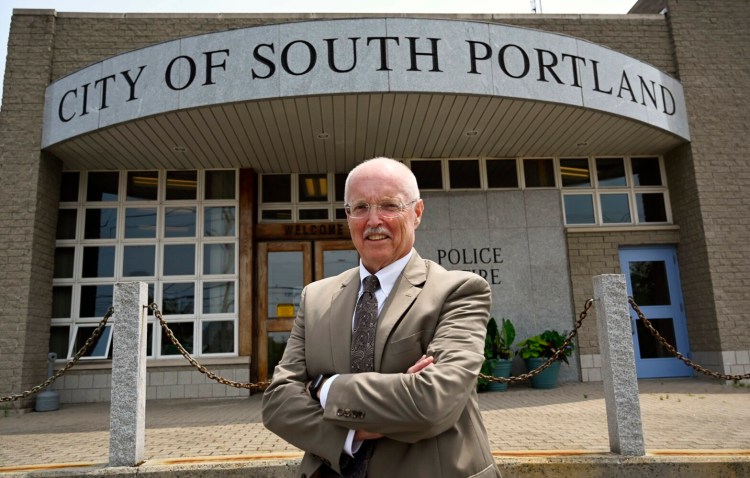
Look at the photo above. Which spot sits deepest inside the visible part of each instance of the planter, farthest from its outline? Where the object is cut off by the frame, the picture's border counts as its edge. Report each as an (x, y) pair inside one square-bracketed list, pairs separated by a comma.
[(502, 369), (546, 379)]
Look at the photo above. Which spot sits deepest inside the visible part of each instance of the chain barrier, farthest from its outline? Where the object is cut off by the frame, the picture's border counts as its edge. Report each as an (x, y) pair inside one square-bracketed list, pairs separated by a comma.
[(669, 348), (555, 356), (72, 362), (258, 386)]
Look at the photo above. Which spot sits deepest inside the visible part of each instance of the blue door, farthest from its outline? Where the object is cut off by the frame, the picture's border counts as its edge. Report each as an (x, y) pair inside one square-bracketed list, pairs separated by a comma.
[(654, 283)]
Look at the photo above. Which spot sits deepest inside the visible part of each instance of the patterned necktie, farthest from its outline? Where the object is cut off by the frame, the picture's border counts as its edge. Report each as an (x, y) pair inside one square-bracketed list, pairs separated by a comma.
[(365, 323), (363, 360)]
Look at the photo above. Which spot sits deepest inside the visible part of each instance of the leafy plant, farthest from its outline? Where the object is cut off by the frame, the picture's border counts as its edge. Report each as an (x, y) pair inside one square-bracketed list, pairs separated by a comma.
[(545, 345), (498, 342)]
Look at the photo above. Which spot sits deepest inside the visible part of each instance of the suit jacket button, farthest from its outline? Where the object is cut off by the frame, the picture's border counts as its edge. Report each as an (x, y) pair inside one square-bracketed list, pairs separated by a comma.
[(339, 412), (304, 475)]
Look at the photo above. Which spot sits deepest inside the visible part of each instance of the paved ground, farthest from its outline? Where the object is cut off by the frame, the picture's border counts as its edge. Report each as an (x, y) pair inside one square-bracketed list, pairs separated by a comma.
[(690, 416)]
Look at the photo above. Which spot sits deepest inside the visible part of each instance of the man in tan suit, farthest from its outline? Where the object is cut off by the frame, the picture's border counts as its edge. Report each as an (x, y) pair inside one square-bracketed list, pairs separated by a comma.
[(415, 414)]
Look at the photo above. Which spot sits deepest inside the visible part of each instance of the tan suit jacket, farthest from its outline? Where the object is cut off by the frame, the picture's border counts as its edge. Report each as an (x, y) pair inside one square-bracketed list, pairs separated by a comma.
[(430, 421)]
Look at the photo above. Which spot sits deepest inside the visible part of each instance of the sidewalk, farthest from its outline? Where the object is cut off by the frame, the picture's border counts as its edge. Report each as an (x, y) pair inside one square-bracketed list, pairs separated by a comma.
[(682, 417)]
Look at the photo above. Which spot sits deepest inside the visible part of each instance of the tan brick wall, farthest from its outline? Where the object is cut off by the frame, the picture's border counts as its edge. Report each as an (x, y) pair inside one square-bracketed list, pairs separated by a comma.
[(29, 185), (712, 203)]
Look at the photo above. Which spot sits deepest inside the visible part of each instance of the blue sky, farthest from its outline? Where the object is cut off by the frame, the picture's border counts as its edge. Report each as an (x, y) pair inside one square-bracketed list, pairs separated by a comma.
[(321, 6)]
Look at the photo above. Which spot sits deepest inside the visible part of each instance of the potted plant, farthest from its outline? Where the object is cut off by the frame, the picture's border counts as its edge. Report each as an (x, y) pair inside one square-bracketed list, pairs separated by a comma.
[(538, 349), (498, 357)]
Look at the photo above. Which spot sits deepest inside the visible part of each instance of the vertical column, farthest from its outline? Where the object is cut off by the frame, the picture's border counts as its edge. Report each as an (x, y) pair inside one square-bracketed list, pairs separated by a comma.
[(618, 365), (127, 416)]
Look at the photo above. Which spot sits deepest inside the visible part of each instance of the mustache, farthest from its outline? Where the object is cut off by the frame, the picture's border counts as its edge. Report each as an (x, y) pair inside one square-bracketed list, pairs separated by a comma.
[(374, 231)]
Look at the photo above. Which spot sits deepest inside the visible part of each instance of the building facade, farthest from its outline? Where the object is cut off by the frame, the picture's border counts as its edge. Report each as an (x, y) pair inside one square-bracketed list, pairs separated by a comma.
[(205, 155)]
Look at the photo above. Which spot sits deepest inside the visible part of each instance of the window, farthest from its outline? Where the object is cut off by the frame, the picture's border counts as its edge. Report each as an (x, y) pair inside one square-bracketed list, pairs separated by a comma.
[(174, 230), (302, 197), (623, 191), (539, 173), (464, 174)]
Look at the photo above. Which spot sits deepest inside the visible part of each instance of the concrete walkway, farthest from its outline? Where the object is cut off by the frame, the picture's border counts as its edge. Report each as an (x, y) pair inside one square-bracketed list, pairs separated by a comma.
[(686, 417)]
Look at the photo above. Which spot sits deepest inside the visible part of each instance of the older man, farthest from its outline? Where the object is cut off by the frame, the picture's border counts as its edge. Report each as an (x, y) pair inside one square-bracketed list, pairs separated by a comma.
[(378, 377)]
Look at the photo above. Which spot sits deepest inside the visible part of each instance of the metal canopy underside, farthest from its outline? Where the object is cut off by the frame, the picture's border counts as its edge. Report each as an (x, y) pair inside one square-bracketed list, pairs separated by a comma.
[(333, 133)]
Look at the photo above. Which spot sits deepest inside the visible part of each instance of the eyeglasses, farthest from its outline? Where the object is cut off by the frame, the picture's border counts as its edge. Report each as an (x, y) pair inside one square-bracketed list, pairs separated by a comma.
[(387, 208)]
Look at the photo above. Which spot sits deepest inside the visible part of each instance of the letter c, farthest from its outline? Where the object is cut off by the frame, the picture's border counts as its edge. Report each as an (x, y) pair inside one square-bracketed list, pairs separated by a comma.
[(60, 108)]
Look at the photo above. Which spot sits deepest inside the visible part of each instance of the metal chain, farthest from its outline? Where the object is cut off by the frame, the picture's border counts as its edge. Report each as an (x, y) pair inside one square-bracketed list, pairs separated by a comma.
[(555, 356), (667, 346), (259, 386), (73, 361)]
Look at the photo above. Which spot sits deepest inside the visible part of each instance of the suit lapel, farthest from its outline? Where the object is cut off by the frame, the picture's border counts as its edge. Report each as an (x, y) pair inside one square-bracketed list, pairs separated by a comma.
[(404, 293), (342, 311)]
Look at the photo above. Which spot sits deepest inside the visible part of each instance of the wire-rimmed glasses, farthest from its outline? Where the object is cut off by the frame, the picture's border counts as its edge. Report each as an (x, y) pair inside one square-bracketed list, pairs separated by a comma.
[(387, 208)]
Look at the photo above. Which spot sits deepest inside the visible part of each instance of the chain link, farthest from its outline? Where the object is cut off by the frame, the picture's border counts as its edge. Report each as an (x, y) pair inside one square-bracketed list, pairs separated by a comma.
[(259, 386), (555, 356), (73, 361), (669, 348)]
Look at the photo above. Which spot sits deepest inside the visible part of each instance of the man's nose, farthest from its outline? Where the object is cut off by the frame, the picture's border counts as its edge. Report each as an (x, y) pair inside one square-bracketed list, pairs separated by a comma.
[(373, 215)]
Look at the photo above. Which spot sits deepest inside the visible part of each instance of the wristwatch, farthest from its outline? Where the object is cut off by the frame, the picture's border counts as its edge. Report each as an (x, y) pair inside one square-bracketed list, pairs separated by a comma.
[(316, 385)]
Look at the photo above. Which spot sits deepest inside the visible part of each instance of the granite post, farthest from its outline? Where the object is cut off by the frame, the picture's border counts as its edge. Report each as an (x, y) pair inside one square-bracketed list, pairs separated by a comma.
[(127, 416), (618, 365)]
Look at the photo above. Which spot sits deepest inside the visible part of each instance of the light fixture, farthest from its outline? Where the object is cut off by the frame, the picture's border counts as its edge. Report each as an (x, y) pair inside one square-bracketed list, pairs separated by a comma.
[(472, 132), (323, 135), (179, 149)]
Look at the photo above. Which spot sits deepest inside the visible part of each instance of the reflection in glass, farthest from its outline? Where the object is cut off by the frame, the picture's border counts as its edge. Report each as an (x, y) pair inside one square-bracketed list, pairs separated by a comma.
[(285, 280), (182, 185), (276, 345), (218, 337), (579, 209), (69, 186), (502, 173), (218, 258), (102, 186), (140, 222), (179, 259), (276, 215), (62, 300), (219, 221), (429, 174), (143, 185), (464, 174), (179, 222), (178, 298), (648, 345), (149, 340), (336, 262), (100, 348), (100, 224), (313, 187), (64, 260), (615, 208), (59, 339), (610, 172), (539, 173), (649, 282), (575, 173), (183, 332), (651, 207), (646, 171), (218, 297), (220, 185), (98, 261), (138, 261), (66, 223), (95, 300), (313, 214), (340, 186), (276, 188)]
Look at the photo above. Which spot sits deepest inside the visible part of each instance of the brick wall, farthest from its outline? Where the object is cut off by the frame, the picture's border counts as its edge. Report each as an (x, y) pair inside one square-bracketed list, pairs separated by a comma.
[(712, 204), (29, 184)]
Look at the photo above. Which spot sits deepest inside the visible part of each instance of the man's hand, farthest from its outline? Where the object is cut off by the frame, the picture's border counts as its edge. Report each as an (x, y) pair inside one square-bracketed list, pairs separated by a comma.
[(419, 365)]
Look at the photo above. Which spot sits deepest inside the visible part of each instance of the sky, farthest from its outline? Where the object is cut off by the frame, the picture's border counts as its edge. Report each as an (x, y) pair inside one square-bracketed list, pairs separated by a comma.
[(303, 6)]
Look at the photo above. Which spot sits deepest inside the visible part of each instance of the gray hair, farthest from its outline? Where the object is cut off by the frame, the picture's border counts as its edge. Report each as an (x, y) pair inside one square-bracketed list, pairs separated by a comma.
[(411, 189)]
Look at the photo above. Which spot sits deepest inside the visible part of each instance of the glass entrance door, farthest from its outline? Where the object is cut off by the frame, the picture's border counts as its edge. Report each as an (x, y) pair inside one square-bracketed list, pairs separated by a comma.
[(654, 283), (284, 269)]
